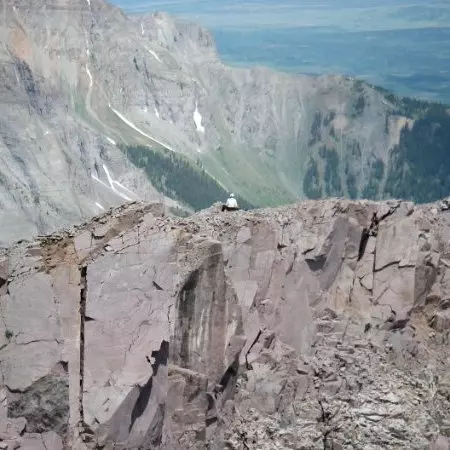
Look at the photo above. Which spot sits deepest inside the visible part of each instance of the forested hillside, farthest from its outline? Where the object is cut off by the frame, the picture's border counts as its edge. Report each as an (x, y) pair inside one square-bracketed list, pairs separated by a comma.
[(419, 167), (179, 178)]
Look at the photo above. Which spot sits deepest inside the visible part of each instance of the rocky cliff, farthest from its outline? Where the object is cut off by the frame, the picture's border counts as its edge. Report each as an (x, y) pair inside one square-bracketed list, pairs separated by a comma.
[(272, 329), (85, 89)]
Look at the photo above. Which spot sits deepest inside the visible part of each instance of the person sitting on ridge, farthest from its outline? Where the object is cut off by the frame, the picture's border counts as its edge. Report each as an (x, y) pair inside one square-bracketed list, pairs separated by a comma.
[(231, 204)]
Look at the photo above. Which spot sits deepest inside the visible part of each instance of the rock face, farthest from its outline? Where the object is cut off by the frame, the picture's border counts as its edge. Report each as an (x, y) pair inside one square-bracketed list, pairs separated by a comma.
[(249, 330), (78, 79)]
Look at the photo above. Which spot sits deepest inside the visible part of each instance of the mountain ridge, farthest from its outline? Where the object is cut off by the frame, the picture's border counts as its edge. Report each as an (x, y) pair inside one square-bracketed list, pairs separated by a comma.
[(93, 81)]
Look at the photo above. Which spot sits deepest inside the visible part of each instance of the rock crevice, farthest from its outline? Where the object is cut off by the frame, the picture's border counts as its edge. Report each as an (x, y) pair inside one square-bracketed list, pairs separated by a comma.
[(83, 299)]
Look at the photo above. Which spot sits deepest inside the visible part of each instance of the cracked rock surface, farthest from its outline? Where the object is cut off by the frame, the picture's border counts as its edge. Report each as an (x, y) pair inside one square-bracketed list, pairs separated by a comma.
[(268, 329)]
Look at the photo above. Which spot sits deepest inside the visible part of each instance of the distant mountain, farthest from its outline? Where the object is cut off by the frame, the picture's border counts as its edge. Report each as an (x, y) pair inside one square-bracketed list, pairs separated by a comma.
[(85, 90), (393, 43)]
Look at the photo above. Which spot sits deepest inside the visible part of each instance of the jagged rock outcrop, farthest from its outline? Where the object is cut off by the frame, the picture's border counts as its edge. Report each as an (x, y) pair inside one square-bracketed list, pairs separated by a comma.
[(247, 330)]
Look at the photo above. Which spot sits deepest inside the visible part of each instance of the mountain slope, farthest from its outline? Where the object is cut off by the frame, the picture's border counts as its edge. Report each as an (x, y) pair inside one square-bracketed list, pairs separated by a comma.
[(80, 81)]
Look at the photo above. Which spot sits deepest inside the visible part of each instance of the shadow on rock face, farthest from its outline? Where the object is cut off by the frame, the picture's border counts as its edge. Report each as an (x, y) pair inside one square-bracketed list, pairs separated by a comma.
[(141, 402), (161, 357), (186, 316), (138, 421), (363, 243), (316, 264)]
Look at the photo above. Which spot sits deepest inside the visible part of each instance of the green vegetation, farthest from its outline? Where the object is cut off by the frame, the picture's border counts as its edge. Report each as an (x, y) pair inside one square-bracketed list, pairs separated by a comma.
[(179, 178), (359, 106), (353, 156), (311, 182), (418, 168), (332, 180), (351, 186), (315, 129), (329, 118), (372, 188), (405, 106), (419, 165), (358, 86), (354, 150), (358, 89), (251, 173)]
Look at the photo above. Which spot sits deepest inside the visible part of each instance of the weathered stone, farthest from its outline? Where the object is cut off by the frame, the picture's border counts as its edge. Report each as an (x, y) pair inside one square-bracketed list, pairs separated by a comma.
[(441, 443), (3, 410), (3, 275), (36, 361), (201, 331), (10, 444), (440, 321), (100, 232), (83, 243), (45, 405), (397, 243), (13, 428), (52, 441), (32, 441)]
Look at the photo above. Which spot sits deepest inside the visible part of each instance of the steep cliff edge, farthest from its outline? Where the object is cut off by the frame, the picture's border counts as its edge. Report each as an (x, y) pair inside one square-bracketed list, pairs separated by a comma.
[(270, 329)]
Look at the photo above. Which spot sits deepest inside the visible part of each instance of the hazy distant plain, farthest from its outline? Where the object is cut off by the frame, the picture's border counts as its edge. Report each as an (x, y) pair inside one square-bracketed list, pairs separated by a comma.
[(399, 44)]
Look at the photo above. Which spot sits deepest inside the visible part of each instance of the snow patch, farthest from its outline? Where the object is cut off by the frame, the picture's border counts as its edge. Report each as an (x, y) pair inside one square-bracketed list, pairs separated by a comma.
[(108, 176), (146, 110), (47, 132), (91, 80), (97, 179), (142, 29), (154, 55), (112, 184), (89, 3), (157, 112), (122, 187), (132, 125), (87, 52), (198, 120), (112, 141), (99, 206)]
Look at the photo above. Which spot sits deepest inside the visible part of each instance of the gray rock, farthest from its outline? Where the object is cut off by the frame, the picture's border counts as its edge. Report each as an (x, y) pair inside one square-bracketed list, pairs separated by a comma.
[(441, 443), (79, 79), (206, 331), (44, 405)]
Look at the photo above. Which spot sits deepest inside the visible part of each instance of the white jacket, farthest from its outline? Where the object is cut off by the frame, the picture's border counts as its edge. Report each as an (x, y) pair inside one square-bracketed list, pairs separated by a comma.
[(232, 203)]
